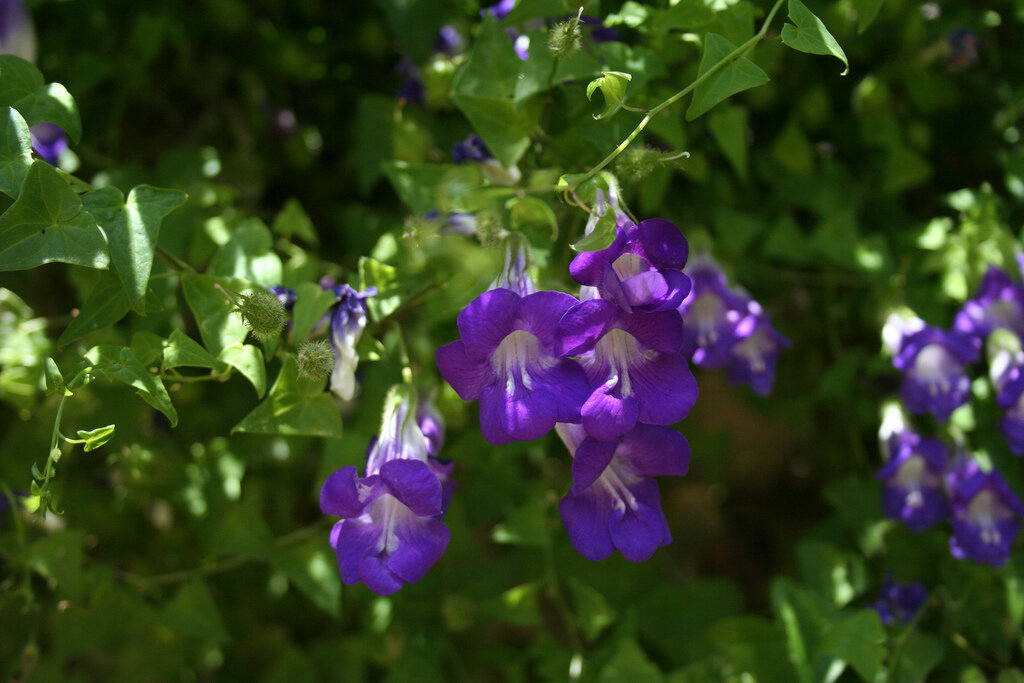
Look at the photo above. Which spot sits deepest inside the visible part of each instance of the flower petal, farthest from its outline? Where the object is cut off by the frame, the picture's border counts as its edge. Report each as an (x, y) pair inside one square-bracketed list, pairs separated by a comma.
[(589, 462), (643, 528), (588, 268), (656, 451), (606, 415), (661, 331), (586, 521), (487, 320), (582, 325), (345, 495), (665, 388), (414, 485), (521, 416), (663, 244), (466, 376), (540, 312), (421, 542)]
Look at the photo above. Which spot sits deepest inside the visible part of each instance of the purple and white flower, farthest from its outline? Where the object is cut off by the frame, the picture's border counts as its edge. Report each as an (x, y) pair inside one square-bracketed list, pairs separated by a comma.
[(912, 480), (49, 141), (752, 359), (17, 34), (431, 423), (641, 270), (614, 502), (999, 302), (713, 315), (986, 514), (286, 296), (934, 380), (633, 364), (506, 357), (392, 531), (347, 324), (900, 601), (514, 273), (1011, 400)]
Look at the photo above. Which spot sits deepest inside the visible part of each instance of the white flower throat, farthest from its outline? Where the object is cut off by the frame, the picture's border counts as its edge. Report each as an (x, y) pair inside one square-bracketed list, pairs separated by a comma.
[(516, 357), (617, 350)]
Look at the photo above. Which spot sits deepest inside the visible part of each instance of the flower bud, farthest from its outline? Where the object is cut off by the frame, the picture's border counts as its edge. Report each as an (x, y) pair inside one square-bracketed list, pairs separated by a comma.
[(315, 359), (263, 313), (565, 37)]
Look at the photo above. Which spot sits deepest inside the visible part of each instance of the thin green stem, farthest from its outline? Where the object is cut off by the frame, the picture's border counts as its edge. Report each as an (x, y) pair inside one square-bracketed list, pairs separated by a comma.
[(738, 52), (173, 261), (54, 440)]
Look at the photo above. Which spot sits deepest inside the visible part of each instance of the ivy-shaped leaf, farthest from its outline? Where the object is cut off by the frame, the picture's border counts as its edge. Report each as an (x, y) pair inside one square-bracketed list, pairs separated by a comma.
[(183, 351), (95, 438), (311, 302), (106, 304), (22, 86), (119, 363), (46, 223), (613, 86), (810, 35), (219, 324), (295, 405), (132, 228), (738, 75), (15, 152), (248, 360)]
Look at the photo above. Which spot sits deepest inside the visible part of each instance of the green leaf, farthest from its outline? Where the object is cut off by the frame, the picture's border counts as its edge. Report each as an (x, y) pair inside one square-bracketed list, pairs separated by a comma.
[(373, 273), (629, 663), (15, 152), (313, 569), (526, 525), (600, 237), (858, 640), (58, 558), (293, 220), (920, 655), (753, 644), (106, 304), (22, 86), (181, 350), (529, 214), (132, 229), (193, 612), (867, 10), (729, 126), (119, 363), (594, 612), (294, 406), (685, 15), (484, 89), (311, 302), (249, 255), (96, 437), (248, 360), (738, 75), (537, 75), (46, 223), (220, 326), (147, 346), (613, 86), (810, 35)]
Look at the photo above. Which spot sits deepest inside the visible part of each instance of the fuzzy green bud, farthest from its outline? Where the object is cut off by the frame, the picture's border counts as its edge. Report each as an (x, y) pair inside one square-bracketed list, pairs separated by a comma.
[(263, 313), (315, 360), (566, 37), (637, 162)]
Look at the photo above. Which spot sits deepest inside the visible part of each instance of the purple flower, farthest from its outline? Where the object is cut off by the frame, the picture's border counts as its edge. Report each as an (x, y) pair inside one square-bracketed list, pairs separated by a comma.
[(641, 270), (412, 89), (932, 361), (49, 141), (999, 302), (614, 503), (714, 317), (598, 33), (633, 364), (1011, 400), (912, 481), (286, 296), (500, 10), (431, 423), (392, 531), (752, 358), (899, 601), (506, 358), (347, 324), (470, 149), (449, 41), (17, 35), (986, 514)]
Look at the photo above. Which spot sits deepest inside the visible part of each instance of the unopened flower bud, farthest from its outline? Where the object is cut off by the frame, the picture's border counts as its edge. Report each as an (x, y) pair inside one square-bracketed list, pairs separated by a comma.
[(565, 37), (315, 359), (263, 313)]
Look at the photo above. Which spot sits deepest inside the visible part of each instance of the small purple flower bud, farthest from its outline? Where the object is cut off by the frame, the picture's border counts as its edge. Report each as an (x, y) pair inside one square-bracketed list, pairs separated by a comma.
[(514, 274), (347, 324), (286, 296), (392, 531), (506, 358), (934, 380), (449, 41), (752, 359), (900, 601), (500, 10), (999, 302), (912, 481), (471, 149), (712, 315), (49, 141), (986, 514), (431, 423), (412, 89), (1011, 400), (614, 503)]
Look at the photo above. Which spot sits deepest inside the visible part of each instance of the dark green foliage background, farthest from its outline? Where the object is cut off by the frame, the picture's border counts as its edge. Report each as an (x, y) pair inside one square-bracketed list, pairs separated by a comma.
[(190, 553)]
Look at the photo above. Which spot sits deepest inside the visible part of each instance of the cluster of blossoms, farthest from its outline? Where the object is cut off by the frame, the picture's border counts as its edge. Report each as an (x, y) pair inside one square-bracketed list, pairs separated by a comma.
[(606, 371), (923, 483), (725, 327), (899, 602), (18, 38), (391, 532)]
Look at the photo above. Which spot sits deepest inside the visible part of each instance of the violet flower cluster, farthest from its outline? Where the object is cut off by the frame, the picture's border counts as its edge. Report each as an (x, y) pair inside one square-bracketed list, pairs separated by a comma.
[(391, 532), (899, 602), (606, 371), (725, 327)]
